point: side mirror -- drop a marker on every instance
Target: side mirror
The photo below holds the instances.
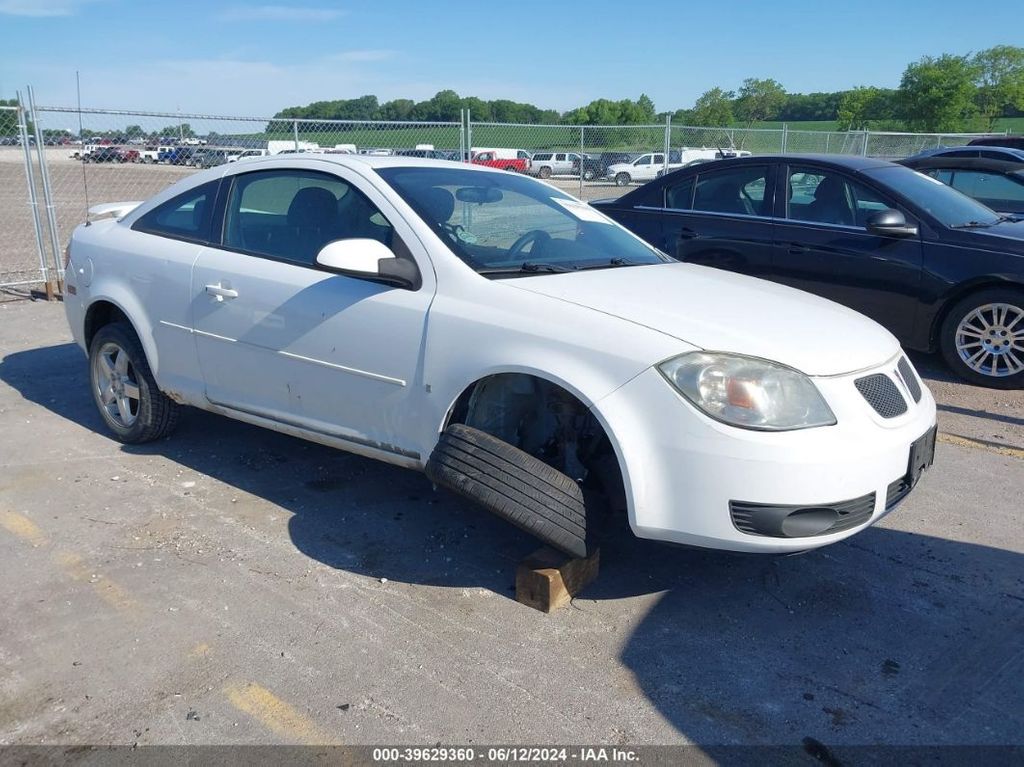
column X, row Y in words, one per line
column 370, row 259
column 891, row 223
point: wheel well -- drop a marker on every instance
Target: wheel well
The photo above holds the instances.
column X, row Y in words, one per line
column 99, row 314
column 548, row 422
column 955, row 298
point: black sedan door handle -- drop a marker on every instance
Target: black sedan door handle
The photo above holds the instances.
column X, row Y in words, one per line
column 797, row 249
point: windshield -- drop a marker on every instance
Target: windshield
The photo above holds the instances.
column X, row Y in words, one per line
column 506, row 224
column 950, row 207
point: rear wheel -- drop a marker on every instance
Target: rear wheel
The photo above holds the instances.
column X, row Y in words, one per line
column 126, row 395
column 982, row 338
column 588, row 175
column 622, row 179
column 545, row 172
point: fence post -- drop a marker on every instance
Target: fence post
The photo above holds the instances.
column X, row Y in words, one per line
column 44, row 175
column 469, row 136
column 785, row 137
column 828, row 135
column 33, row 200
column 295, row 133
column 864, row 147
column 668, row 142
column 582, row 163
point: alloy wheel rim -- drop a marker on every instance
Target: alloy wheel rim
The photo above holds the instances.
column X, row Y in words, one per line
column 117, row 385
column 990, row 340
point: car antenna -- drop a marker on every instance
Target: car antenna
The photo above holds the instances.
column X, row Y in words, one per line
column 85, row 176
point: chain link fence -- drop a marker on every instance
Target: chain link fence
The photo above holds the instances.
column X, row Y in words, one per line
column 23, row 260
column 57, row 161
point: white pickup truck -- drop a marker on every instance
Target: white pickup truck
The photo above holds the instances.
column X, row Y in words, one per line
column 650, row 166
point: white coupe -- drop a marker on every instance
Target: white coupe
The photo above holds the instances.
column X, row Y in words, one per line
column 517, row 345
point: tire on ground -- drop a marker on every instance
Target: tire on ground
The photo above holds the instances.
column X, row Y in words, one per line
column 158, row 414
column 948, row 332
column 512, row 484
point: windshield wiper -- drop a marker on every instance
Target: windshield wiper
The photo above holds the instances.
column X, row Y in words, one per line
column 609, row 264
column 975, row 224
column 527, row 267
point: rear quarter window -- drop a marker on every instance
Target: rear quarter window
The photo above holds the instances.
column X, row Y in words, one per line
column 188, row 216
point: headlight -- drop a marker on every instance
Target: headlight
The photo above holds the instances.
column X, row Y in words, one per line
column 748, row 392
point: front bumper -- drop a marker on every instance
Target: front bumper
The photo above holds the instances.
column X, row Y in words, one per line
column 685, row 473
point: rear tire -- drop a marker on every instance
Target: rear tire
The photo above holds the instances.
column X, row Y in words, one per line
column 982, row 338
column 588, row 175
column 622, row 179
column 124, row 390
column 545, row 172
column 513, row 485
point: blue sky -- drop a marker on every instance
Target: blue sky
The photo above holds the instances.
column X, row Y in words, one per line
column 255, row 58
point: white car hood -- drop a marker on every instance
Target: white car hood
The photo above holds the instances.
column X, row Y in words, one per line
column 722, row 311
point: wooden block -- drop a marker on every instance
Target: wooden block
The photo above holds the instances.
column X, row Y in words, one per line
column 548, row 579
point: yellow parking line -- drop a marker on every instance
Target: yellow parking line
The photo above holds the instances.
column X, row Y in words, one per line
column 201, row 650
column 23, row 527
column 274, row 714
column 107, row 590
column 977, row 444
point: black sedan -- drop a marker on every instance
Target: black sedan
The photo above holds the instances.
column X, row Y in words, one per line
column 997, row 184
column 937, row 268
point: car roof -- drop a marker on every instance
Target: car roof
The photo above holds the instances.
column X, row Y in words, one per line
column 1007, row 150
column 964, row 163
column 364, row 161
column 845, row 161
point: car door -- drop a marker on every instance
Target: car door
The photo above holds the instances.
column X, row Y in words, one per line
column 281, row 338
column 822, row 245
column 559, row 164
column 721, row 218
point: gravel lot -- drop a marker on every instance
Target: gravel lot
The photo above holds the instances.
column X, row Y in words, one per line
column 231, row 585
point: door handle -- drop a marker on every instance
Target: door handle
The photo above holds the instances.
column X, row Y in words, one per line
column 221, row 293
column 686, row 234
column 797, row 249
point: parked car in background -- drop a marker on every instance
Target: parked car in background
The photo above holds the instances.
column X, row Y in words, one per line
column 1006, row 154
column 429, row 154
column 938, row 269
column 176, row 155
column 1014, row 142
column 104, row 154
column 548, row 164
column 245, row 154
column 517, row 160
column 506, row 339
column 650, row 166
column 994, row 183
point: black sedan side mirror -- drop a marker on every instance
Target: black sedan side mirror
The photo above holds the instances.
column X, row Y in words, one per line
column 891, row 223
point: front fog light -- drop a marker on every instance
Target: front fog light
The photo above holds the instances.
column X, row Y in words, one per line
column 748, row 392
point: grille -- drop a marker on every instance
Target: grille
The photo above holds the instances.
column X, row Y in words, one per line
column 896, row 492
column 849, row 514
column 907, row 374
column 882, row 394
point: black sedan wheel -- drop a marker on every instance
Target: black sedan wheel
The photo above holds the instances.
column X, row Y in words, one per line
column 983, row 338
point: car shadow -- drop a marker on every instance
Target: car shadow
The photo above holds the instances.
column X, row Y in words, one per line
column 887, row 638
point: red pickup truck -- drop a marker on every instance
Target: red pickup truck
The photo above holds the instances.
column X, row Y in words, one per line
column 517, row 160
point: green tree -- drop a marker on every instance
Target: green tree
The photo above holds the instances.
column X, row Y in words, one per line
column 397, row 109
column 855, row 107
column 1000, row 81
column 937, row 94
column 760, row 100
column 713, row 108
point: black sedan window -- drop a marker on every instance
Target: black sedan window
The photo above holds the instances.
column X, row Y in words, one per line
column 736, row 190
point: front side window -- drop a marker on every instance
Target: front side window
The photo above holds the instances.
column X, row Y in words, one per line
column 645, row 160
column 827, row 197
column 738, row 190
column 291, row 214
column 542, row 156
column 506, row 224
column 185, row 217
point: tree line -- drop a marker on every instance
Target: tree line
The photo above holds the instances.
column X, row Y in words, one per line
column 940, row 93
